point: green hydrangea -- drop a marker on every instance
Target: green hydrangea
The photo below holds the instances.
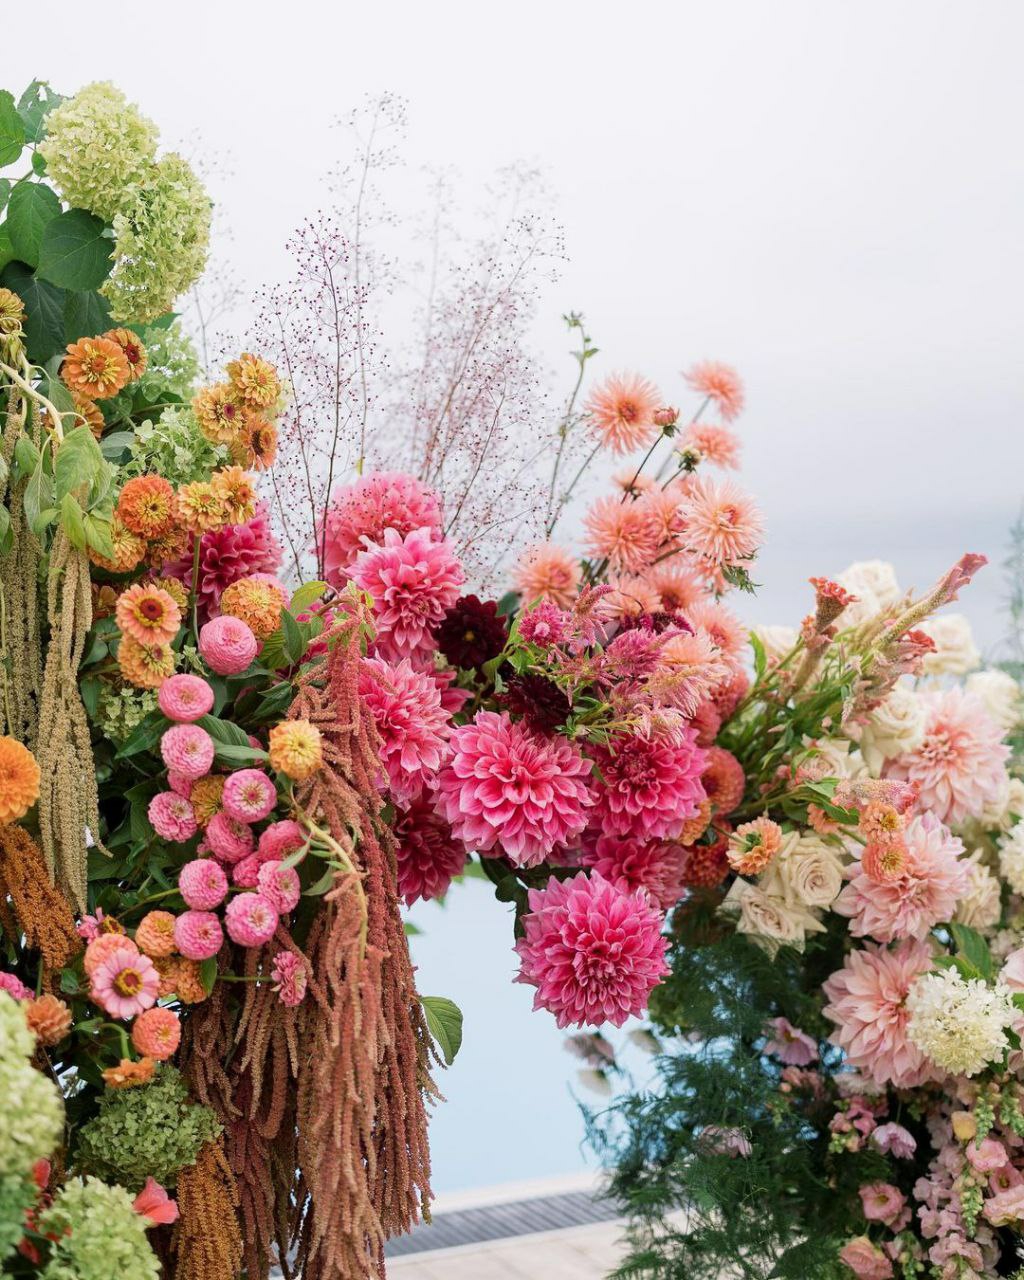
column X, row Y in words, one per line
column 161, row 237
column 121, row 711
column 32, row 1115
column 173, row 363
column 150, row 1130
column 98, row 148
column 173, row 447
column 17, row 1193
column 96, row 1234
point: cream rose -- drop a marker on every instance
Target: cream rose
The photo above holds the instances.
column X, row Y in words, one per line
column 768, row 919
column 893, row 728
column 806, row 872
column 1000, row 694
column 776, row 640
column 873, row 577
column 955, row 651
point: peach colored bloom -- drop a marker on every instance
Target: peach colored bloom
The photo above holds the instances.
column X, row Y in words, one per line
column 102, row 947
column 621, row 410
column 128, row 1074
column 48, row 1018
column 256, row 443
column 548, row 572
column 155, row 935
column 19, row 780
column 148, row 614
column 237, row 493
column 147, row 505
column 717, row 445
column 201, row 507
column 129, row 549
column 722, row 625
column 630, row 597
column 154, row 1203
column 753, row 845
column 133, row 350
column 622, row 533
column 125, row 983
column 720, row 383
column 147, row 665
column 219, row 412
column 678, row 587
column 156, row 1033
column 723, row 525
column 295, row 749
column 95, row 368
column 255, row 380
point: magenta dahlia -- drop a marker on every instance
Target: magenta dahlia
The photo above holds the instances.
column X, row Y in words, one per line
column 364, row 510
column 414, row 581
column 648, row 787
column 508, row 786
column 413, row 726
column 656, row 866
column 225, row 555
column 593, row 950
column 428, row 855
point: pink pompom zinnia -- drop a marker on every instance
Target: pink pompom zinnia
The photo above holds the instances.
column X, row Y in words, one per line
column 249, row 795
column 227, row 645
column 414, row 581
column 172, row 817
column 124, row 983
column 510, row 787
column 290, row 978
column 925, row 892
column 198, row 935
column 180, row 783
column 648, row 787
column 593, row 951
column 722, row 523
column 187, row 750
column 656, row 866
column 185, row 698
column 251, row 919
column 362, row 511
column 866, row 1000
column 414, row 727
column 203, row 884
column 14, row 987
column 280, row 886
column 548, row 572
column 428, row 855
column 225, row 555
column 281, row 838
column 960, row 766
column 229, row 839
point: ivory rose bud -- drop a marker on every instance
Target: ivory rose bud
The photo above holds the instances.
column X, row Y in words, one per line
column 1000, row 695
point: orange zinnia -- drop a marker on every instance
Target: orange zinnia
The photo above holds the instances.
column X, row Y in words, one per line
column 148, row 614
column 237, row 492
column 134, row 351
column 96, row 368
column 256, row 443
column 219, row 411
column 255, row 380
column 128, row 1074
column 147, row 506
column 19, row 780
column 146, row 666
column 295, row 749
column 201, row 507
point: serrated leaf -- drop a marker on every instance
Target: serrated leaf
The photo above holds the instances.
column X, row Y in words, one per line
column 31, row 207
column 44, row 310
column 34, row 105
column 306, row 595
column 80, row 467
column 12, row 130
column 74, row 251
column 444, row 1022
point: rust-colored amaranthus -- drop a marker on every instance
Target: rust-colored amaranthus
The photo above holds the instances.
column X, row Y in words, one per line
column 37, row 909
column 207, row 1240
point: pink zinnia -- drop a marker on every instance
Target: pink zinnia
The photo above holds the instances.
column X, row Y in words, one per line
column 225, row 555
column 188, row 750
column 251, row 919
column 959, row 766
column 198, row 935
column 227, row 645
column 290, row 978
column 428, row 855
column 124, row 983
column 362, row 511
column 656, row 866
column 180, row 783
column 414, row 581
column 646, row 787
column 622, row 533
column 621, row 411
column 14, row 987
column 593, row 951
column 249, row 795
column 172, row 817
column 925, row 893
column 717, row 445
column 280, row 886
column 185, row 698
column 548, row 572
column 789, row 1044
column 719, row 383
column 508, row 786
column 229, row 839
column 245, row 873
column 414, row 728
column 203, row 884
column 281, row 838
column 723, row 524
column 866, row 1002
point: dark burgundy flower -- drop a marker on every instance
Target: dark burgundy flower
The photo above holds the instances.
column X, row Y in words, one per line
column 540, row 703
column 472, row 633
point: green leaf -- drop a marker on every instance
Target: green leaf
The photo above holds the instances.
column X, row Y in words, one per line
column 208, row 973
column 74, row 251
column 5, row 191
column 974, row 949
column 85, row 315
column 760, row 656
column 26, row 456
column 31, row 207
column 6, row 535
column 98, row 536
column 306, row 595
column 39, row 503
column 34, row 105
column 44, row 311
column 238, row 757
column 7, row 253
column 71, row 520
column 224, row 731
column 112, row 446
column 320, row 887
column 144, row 737
column 444, row 1021
column 294, row 643
column 12, row 130
column 80, row 467
column 508, row 604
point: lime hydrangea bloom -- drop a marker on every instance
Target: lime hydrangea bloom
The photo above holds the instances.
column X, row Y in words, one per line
column 96, row 1234
column 32, row 1117
column 121, row 711
column 173, row 447
column 161, row 238
column 173, row 361
column 98, row 148
column 18, row 1193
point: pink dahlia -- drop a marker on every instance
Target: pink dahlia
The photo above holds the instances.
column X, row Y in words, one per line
column 172, row 817
column 648, row 787
column 621, row 412
column 414, row 727
column 227, row 645
column 716, row 445
column 229, row 839
column 932, row 879
column 722, row 523
column 866, row 1002
column 508, row 786
column 251, row 919
column 719, row 383
column 225, row 555
column 203, row 884
column 428, row 855
column 188, row 750
column 198, row 935
column 622, row 533
column 414, row 581
column 249, row 795
column 124, row 983
column 281, row 838
column 729, row 636
column 290, row 978
column 690, row 671
column 548, row 572
column 593, row 951
column 280, row 886
column 185, row 698
column 959, row 766
column 656, row 866
column 362, row 512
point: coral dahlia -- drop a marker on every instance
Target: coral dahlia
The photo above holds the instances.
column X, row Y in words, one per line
column 548, row 572
column 621, row 411
column 720, row 383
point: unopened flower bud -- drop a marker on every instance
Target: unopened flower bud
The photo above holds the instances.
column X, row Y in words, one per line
column 666, row 419
column 965, row 1126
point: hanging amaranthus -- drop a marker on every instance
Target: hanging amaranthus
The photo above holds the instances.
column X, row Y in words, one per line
column 207, row 1242
column 37, row 911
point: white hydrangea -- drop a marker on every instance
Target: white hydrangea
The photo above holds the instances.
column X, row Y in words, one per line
column 1011, row 858
column 959, row 1024
column 981, row 905
column 893, row 728
column 955, row 651
column 1001, row 696
column 776, row 640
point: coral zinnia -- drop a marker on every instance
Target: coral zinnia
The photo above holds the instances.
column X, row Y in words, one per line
column 507, row 786
column 134, row 351
column 255, row 445
column 362, row 511
column 147, row 665
column 258, row 600
column 414, row 728
column 548, row 572
column 622, row 533
column 155, row 934
column 219, row 412
column 428, row 855
column 621, row 411
column 471, row 633
column 156, row 1033
column 753, row 846
column 656, row 866
column 296, row 749
column 593, row 951
column 722, row 524
column 255, row 380
column 720, row 383
column 148, row 614
column 125, row 983
column 147, row 506
column 648, row 788
column 95, row 367
column 19, row 780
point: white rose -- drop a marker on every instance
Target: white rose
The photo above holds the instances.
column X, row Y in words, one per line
column 769, row 919
column 1011, row 858
column 832, row 758
column 981, row 906
column 995, row 810
column 1014, row 803
column 872, row 577
column 807, row 871
column 955, row 651
column 893, row 728
column 1000, row 694
column 777, row 641
column 864, row 607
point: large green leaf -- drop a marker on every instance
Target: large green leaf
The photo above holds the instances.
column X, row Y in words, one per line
column 12, row 131
column 5, row 191
column 444, row 1022
column 75, row 251
column 85, row 315
column 6, row 248
column 31, row 206
column 80, row 467
column 34, row 106
column 44, row 310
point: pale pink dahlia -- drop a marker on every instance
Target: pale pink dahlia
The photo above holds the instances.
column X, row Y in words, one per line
column 229, row 839
column 198, row 935
column 225, row 555
column 716, row 445
column 593, row 951
column 185, row 698
column 124, row 983
column 249, row 795
column 508, row 786
column 172, row 817
column 203, row 884
column 621, row 412
column 622, row 533
column 548, row 572
column 959, row 766
column 187, row 750
column 364, row 510
column 428, row 854
column 280, row 886
column 281, row 838
column 414, row 728
column 227, row 645
column 656, row 866
column 251, row 919
column 720, row 383
column 413, row 581
column 925, row 893
column 866, row 1002
column 648, row 788
column 722, row 523
column 290, row 978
